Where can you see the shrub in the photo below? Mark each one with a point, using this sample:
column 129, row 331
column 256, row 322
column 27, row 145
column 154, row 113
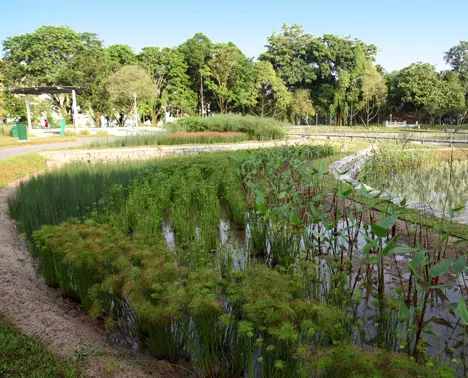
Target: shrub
column 256, row 128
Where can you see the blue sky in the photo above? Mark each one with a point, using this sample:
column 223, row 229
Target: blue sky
column 404, row 31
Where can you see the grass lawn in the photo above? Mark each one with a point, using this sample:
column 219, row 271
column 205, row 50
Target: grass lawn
column 21, row 356
column 6, row 142
column 16, row 167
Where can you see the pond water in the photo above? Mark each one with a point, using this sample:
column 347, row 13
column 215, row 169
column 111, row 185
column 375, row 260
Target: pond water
column 438, row 188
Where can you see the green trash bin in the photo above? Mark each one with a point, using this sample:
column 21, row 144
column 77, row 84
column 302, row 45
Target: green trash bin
column 22, row 129
column 14, row 132
column 62, row 127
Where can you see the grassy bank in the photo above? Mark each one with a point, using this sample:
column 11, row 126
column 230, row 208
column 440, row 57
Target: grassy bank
column 21, row 356
column 14, row 168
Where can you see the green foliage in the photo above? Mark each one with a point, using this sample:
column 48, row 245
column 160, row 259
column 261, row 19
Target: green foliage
column 255, row 127
column 352, row 362
column 147, row 245
column 90, row 70
column 270, row 96
column 121, row 54
column 169, row 72
column 163, row 139
column 21, row 356
column 37, row 58
column 126, row 82
column 227, row 60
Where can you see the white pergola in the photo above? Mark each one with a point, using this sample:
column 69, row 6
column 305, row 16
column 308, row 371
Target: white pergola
column 36, row 91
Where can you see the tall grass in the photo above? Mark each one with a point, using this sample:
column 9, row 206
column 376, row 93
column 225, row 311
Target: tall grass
column 255, row 127
column 168, row 139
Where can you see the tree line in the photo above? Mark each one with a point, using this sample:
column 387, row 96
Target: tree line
column 299, row 78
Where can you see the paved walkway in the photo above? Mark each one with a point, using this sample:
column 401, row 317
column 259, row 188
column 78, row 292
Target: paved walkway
column 16, row 151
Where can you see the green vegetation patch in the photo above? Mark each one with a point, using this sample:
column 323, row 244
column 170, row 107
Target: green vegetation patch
column 167, row 139
column 21, row 356
column 257, row 128
column 14, row 168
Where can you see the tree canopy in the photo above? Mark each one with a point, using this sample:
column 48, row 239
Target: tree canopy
column 298, row 75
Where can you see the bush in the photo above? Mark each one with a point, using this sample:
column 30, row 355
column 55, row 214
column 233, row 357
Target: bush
column 255, row 127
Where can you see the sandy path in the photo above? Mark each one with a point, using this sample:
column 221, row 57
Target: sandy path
column 40, row 311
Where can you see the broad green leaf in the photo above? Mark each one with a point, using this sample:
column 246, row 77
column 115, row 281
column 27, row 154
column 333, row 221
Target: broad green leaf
column 388, row 222
column 404, row 308
column 372, row 260
column 462, row 310
column 262, row 208
column 379, row 231
column 460, row 264
column 419, row 257
column 440, row 268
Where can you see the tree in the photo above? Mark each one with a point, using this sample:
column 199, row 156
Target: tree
column 455, row 92
column 457, row 58
column 168, row 69
column 290, row 52
column 2, row 87
column 270, row 96
column 126, row 82
column 302, row 105
column 122, row 54
column 420, row 90
column 90, row 70
column 37, row 58
column 374, row 93
column 224, row 64
column 197, row 51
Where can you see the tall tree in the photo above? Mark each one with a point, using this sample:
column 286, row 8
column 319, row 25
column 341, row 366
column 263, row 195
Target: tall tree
column 420, row 90
column 290, row 53
column 224, row 65
column 270, row 96
column 169, row 72
column 457, row 58
column 122, row 54
column 37, row 58
column 455, row 92
column 197, row 51
column 126, row 82
column 374, row 93
column 90, row 70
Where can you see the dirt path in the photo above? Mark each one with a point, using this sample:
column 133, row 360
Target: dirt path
column 40, row 311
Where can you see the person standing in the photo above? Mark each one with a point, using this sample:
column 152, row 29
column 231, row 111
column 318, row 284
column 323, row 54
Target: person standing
column 46, row 123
